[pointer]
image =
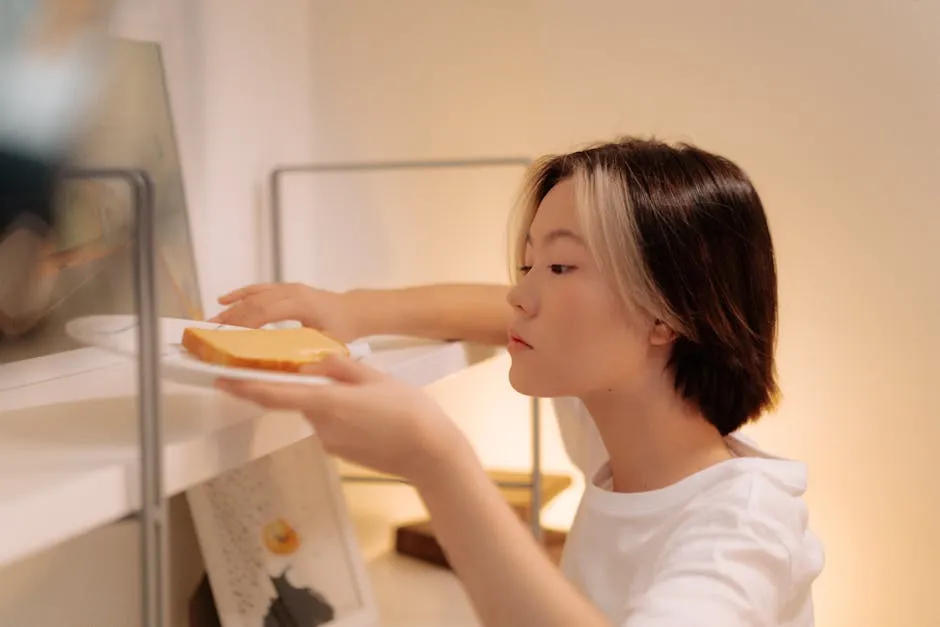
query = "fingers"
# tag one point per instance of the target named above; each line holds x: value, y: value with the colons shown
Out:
x: 344, y: 370
x: 244, y: 292
x: 258, y: 310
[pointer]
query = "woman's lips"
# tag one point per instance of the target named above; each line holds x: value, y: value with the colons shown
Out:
x: 517, y: 342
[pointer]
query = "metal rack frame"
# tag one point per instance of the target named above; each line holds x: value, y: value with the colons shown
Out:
x: 152, y: 501
x: 277, y: 261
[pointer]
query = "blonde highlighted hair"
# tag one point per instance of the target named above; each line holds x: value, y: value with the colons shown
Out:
x: 681, y: 234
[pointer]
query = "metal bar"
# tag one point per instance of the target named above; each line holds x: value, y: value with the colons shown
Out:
x: 277, y: 265
x: 153, y: 505
x: 535, y: 515
x: 277, y: 237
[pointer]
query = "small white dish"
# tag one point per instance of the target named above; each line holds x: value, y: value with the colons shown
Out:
x: 118, y: 334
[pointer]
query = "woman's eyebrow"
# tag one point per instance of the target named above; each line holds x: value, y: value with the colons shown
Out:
x: 557, y: 234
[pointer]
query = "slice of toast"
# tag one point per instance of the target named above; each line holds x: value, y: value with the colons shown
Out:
x: 282, y: 350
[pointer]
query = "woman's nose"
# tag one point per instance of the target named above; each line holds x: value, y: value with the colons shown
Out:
x: 519, y: 299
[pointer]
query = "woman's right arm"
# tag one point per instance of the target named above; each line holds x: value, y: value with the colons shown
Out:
x: 465, y: 312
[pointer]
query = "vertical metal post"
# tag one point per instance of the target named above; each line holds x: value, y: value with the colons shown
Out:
x: 154, y: 518
x: 153, y: 504
x: 535, y: 515
x: 277, y: 237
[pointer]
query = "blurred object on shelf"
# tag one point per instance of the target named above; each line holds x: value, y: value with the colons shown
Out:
x: 53, y: 56
x: 76, y: 259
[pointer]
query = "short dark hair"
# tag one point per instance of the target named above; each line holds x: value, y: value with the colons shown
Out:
x: 698, y: 254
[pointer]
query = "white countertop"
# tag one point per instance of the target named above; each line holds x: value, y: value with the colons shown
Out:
x: 68, y: 437
x: 410, y: 593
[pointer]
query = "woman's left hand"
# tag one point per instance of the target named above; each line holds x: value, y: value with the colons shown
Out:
x: 365, y: 416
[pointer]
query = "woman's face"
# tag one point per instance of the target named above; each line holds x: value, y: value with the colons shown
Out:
x: 569, y: 335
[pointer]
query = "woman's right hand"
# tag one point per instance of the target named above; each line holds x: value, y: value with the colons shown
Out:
x: 257, y: 305
x: 370, y: 418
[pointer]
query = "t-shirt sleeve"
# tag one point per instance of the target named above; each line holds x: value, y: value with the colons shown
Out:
x: 735, y: 573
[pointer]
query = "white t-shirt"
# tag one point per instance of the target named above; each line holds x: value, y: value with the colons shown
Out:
x: 726, y: 547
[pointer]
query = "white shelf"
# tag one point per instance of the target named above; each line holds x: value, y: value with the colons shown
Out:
x: 68, y: 437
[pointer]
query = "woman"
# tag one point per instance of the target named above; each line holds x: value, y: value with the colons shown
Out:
x: 646, y: 305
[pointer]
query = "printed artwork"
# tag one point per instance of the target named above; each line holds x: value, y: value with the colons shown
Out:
x: 88, y: 265
x: 278, y: 547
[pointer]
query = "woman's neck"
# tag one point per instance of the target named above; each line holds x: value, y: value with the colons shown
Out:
x: 653, y: 439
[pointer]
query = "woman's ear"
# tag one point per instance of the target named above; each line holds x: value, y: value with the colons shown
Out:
x: 662, y: 334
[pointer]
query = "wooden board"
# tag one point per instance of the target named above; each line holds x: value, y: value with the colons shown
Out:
x: 417, y: 539
x: 519, y: 498
x: 552, y: 484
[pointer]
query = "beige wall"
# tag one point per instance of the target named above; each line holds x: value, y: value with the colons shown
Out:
x: 832, y: 107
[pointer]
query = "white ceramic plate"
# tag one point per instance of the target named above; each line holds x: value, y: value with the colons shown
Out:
x: 118, y: 334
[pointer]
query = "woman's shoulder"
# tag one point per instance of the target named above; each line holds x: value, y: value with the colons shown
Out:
x: 762, y: 478
x: 759, y: 493
x: 760, y: 507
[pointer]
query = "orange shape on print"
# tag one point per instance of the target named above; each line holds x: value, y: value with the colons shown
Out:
x: 279, y: 537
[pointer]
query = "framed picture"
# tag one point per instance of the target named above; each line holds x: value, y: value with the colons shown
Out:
x: 278, y: 545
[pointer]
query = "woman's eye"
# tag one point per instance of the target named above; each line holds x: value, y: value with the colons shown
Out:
x: 555, y: 268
